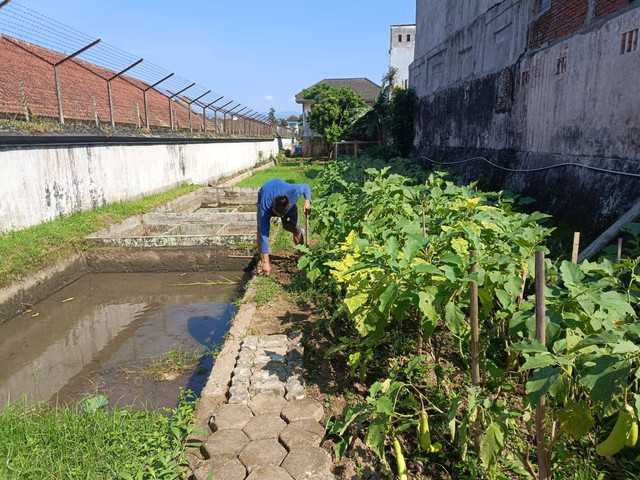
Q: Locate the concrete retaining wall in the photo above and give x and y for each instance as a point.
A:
(38, 183)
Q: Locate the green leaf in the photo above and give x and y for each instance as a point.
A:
(606, 338)
(571, 273)
(356, 301)
(384, 405)
(387, 298)
(606, 379)
(575, 418)
(491, 445)
(541, 381)
(341, 446)
(529, 346)
(455, 318)
(93, 404)
(626, 346)
(451, 417)
(537, 361)
(377, 434)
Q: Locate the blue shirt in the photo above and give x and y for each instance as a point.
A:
(270, 190)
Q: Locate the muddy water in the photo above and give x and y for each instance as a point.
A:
(113, 327)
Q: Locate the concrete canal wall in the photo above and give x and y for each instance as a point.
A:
(43, 182)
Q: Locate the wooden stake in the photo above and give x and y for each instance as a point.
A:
(544, 467)
(306, 230)
(576, 247)
(473, 320)
(619, 249)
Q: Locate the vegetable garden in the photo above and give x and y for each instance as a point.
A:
(411, 260)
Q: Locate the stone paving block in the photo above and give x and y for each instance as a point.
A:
(216, 469)
(241, 372)
(301, 463)
(269, 473)
(230, 417)
(303, 433)
(267, 341)
(268, 359)
(294, 357)
(305, 409)
(265, 426)
(239, 396)
(279, 350)
(273, 386)
(275, 372)
(250, 341)
(295, 388)
(267, 402)
(224, 445)
(262, 453)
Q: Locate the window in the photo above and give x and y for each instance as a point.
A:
(525, 78)
(629, 42)
(543, 5)
(561, 65)
(408, 38)
(399, 38)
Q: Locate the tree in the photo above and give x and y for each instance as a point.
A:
(389, 78)
(333, 111)
(399, 120)
(272, 116)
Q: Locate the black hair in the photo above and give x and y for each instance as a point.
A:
(280, 205)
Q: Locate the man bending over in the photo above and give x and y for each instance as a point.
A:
(278, 198)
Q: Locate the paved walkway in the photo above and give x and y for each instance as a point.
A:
(268, 429)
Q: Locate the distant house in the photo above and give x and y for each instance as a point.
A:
(292, 122)
(362, 86)
(401, 47)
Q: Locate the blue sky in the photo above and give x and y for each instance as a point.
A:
(260, 53)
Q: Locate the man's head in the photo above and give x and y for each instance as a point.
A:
(280, 205)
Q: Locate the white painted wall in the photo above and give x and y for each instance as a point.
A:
(38, 184)
(401, 51)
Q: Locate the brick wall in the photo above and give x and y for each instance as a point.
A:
(560, 19)
(602, 8)
(80, 82)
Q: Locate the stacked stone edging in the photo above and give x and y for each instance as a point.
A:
(269, 429)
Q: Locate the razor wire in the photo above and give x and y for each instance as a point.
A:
(18, 22)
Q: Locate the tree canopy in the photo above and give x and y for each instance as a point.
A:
(333, 110)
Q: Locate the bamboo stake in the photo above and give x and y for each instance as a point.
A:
(576, 247)
(619, 249)
(306, 229)
(475, 329)
(544, 467)
(475, 346)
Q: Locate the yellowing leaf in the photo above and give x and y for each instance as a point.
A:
(356, 301)
(472, 202)
(460, 246)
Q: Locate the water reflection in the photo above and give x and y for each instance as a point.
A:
(114, 323)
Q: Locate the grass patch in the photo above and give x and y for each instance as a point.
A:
(27, 251)
(265, 289)
(90, 441)
(167, 367)
(289, 170)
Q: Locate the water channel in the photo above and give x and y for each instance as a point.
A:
(101, 333)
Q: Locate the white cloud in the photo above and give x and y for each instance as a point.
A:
(268, 98)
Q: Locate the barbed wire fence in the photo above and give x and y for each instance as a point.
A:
(53, 71)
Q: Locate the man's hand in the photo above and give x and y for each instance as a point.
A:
(307, 207)
(265, 265)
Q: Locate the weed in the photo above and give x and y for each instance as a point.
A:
(89, 440)
(265, 289)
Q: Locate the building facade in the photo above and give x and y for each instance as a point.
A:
(531, 84)
(401, 48)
